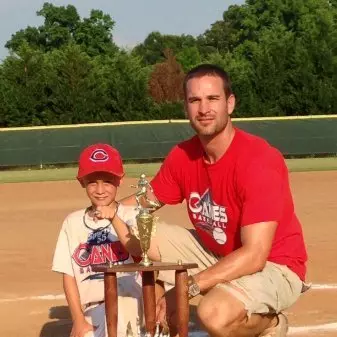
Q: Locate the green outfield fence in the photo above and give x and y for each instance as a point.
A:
(138, 141)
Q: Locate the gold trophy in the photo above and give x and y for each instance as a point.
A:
(146, 222)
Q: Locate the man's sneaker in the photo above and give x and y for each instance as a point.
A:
(280, 330)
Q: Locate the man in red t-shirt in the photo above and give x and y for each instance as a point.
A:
(247, 240)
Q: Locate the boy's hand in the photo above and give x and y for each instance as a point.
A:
(166, 308)
(105, 212)
(80, 328)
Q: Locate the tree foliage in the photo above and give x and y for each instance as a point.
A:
(152, 50)
(166, 82)
(62, 25)
(287, 55)
(281, 55)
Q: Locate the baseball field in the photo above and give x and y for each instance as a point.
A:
(33, 205)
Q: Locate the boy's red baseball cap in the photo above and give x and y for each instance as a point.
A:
(100, 158)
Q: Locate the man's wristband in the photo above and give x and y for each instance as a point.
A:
(193, 288)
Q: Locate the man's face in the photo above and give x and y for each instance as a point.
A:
(101, 188)
(207, 106)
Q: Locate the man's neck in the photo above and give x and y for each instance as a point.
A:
(215, 147)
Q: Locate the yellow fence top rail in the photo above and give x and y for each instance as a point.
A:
(166, 121)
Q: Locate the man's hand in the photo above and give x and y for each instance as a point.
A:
(105, 212)
(80, 328)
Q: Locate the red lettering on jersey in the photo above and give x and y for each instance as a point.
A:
(80, 255)
(118, 251)
(106, 253)
(110, 252)
(95, 256)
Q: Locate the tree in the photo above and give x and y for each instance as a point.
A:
(189, 58)
(152, 50)
(287, 51)
(125, 87)
(226, 34)
(72, 94)
(62, 26)
(94, 34)
(22, 88)
(166, 82)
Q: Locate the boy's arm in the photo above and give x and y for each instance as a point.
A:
(130, 242)
(80, 325)
(62, 264)
(119, 215)
(73, 297)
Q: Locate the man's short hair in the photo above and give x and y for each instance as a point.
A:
(209, 70)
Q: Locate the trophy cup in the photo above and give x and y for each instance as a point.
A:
(146, 222)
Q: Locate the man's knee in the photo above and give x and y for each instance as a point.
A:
(222, 316)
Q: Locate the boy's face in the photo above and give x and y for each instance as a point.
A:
(101, 188)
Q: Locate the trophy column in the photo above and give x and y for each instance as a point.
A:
(111, 293)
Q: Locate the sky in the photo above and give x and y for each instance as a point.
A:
(134, 19)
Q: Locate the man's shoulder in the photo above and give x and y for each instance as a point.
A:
(255, 146)
(188, 148)
(251, 138)
(254, 151)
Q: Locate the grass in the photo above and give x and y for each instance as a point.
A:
(312, 164)
(134, 170)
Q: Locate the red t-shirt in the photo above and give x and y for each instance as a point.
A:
(248, 185)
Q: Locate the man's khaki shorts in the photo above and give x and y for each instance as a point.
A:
(272, 290)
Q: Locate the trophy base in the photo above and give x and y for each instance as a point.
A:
(146, 262)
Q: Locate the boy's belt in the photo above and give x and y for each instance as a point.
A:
(92, 304)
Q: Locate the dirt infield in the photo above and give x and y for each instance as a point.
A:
(30, 218)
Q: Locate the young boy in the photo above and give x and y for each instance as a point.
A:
(86, 240)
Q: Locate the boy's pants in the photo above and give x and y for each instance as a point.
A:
(129, 308)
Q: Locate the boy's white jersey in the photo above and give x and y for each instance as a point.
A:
(83, 243)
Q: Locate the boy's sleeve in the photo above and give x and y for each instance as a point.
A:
(62, 256)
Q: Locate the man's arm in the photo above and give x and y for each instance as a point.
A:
(261, 210)
(129, 201)
(250, 258)
(150, 196)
